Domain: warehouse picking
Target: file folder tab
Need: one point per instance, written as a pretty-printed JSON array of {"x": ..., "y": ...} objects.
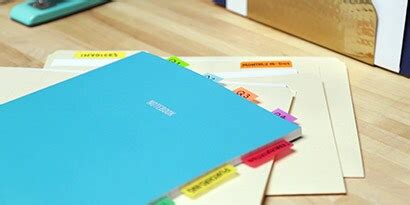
[
  {"x": 284, "y": 115},
  {"x": 164, "y": 201},
  {"x": 266, "y": 64},
  {"x": 213, "y": 77},
  {"x": 209, "y": 181},
  {"x": 100, "y": 54},
  {"x": 178, "y": 61},
  {"x": 265, "y": 154},
  {"x": 245, "y": 94}
]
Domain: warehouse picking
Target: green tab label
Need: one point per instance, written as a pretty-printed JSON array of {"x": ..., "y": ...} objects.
[
  {"x": 164, "y": 201},
  {"x": 178, "y": 61}
]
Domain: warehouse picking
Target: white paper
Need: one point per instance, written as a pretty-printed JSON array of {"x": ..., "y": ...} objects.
[
  {"x": 390, "y": 32},
  {"x": 238, "y": 6}
]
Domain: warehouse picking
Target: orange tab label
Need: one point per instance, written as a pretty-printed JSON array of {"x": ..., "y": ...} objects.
[
  {"x": 266, "y": 153},
  {"x": 266, "y": 64},
  {"x": 246, "y": 94}
]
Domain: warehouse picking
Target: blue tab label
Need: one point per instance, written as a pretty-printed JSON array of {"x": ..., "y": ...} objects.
[{"x": 213, "y": 77}]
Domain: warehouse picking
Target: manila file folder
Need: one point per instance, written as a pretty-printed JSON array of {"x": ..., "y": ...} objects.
[{"x": 331, "y": 71}]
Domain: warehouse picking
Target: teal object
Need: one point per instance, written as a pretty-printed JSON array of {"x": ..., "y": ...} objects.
[
  {"x": 125, "y": 134},
  {"x": 29, "y": 15}
]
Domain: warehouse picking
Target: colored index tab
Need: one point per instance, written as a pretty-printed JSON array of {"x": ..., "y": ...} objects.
[
  {"x": 100, "y": 54},
  {"x": 266, "y": 153},
  {"x": 245, "y": 94},
  {"x": 266, "y": 64},
  {"x": 178, "y": 61},
  {"x": 164, "y": 201},
  {"x": 213, "y": 77},
  {"x": 284, "y": 115},
  {"x": 209, "y": 181}
]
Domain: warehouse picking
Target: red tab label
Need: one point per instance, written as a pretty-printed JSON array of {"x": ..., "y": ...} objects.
[{"x": 266, "y": 153}]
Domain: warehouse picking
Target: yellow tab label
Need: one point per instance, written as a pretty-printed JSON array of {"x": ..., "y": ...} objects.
[
  {"x": 209, "y": 181},
  {"x": 100, "y": 54}
]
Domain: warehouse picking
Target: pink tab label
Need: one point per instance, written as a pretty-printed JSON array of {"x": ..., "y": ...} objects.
[
  {"x": 266, "y": 153},
  {"x": 284, "y": 115}
]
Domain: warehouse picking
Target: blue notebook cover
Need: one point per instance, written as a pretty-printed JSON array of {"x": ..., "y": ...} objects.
[
  {"x": 405, "y": 59},
  {"x": 127, "y": 133}
]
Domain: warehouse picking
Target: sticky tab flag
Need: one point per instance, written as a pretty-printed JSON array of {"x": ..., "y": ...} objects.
[
  {"x": 209, "y": 181},
  {"x": 266, "y": 153},
  {"x": 266, "y": 64},
  {"x": 100, "y": 54},
  {"x": 178, "y": 61},
  {"x": 164, "y": 201},
  {"x": 246, "y": 94},
  {"x": 284, "y": 115},
  {"x": 213, "y": 77}
]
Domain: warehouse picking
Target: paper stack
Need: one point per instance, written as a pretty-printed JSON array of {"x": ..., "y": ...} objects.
[{"x": 312, "y": 93}]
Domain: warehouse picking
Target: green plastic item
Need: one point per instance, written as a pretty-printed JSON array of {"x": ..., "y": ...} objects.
[
  {"x": 164, "y": 201},
  {"x": 29, "y": 15}
]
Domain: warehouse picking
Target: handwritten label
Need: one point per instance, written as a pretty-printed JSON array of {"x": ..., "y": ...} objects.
[
  {"x": 266, "y": 64},
  {"x": 245, "y": 94},
  {"x": 284, "y": 115},
  {"x": 100, "y": 54},
  {"x": 178, "y": 61},
  {"x": 164, "y": 201},
  {"x": 266, "y": 153},
  {"x": 209, "y": 181},
  {"x": 213, "y": 77}
]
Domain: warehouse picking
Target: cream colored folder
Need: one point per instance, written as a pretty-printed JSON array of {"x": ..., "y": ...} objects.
[
  {"x": 249, "y": 188},
  {"x": 18, "y": 82},
  {"x": 333, "y": 74},
  {"x": 315, "y": 166},
  {"x": 331, "y": 71}
]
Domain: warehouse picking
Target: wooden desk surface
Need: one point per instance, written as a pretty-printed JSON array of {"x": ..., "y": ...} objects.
[{"x": 198, "y": 28}]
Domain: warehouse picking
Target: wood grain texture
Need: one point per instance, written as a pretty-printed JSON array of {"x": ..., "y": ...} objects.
[{"x": 198, "y": 28}]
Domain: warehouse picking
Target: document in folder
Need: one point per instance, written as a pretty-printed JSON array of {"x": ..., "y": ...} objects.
[{"x": 249, "y": 188}]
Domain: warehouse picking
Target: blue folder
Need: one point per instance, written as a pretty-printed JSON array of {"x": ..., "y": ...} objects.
[
  {"x": 220, "y": 2},
  {"x": 405, "y": 59},
  {"x": 127, "y": 133}
]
